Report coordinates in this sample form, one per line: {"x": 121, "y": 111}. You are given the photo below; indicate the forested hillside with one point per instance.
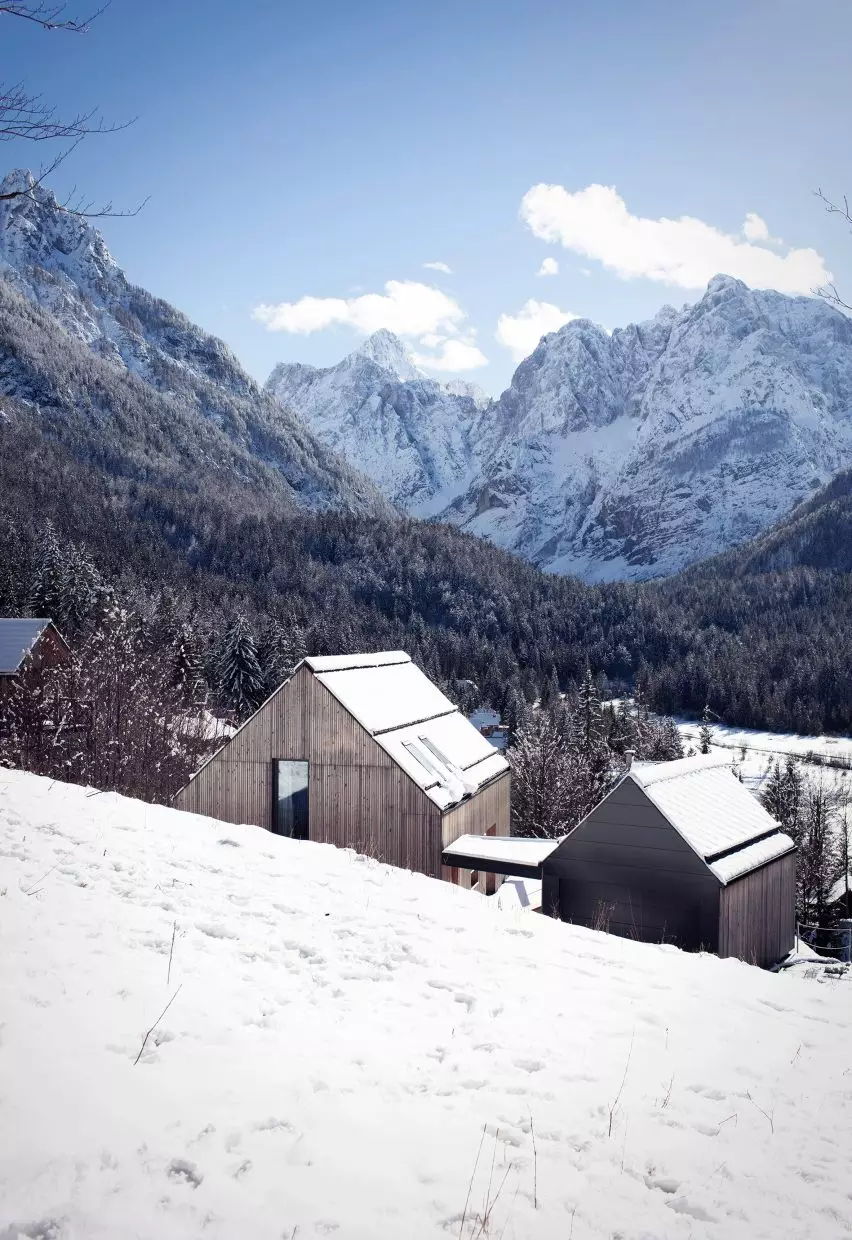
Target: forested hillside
{"x": 762, "y": 635}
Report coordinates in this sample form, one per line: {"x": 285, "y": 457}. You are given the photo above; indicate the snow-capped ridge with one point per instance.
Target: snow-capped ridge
{"x": 388, "y": 351}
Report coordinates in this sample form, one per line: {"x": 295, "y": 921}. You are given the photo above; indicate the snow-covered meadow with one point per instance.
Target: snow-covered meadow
{"x": 755, "y": 752}
{"x": 356, "y": 1051}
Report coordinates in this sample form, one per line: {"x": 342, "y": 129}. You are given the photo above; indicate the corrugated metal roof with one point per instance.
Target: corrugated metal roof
{"x": 717, "y": 816}
{"x": 413, "y": 721}
{"x": 18, "y": 635}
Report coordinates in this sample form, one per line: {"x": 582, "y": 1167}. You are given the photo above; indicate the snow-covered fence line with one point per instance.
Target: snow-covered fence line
{"x": 833, "y": 941}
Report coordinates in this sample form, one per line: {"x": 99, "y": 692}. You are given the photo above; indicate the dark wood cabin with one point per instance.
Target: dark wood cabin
{"x": 365, "y": 752}
{"x": 28, "y": 644}
{"x": 679, "y": 852}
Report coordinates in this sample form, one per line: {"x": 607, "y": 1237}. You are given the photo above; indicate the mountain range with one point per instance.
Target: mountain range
{"x": 622, "y": 455}
{"x": 121, "y": 377}
{"x": 144, "y": 442}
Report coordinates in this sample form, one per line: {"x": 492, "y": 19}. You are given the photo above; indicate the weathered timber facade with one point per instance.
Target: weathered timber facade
{"x": 359, "y": 795}
{"x": 757, "y": 913}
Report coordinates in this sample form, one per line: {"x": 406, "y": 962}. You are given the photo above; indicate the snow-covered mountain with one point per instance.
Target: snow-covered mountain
{"x": 623, "y": 455}
{"x": 414, "y": 436}
{"x": 636, "y": 453}
{"x": 155, "y": 358}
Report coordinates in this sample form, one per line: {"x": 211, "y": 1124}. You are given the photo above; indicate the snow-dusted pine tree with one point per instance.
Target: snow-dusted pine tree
{"x": 240, "y": 679}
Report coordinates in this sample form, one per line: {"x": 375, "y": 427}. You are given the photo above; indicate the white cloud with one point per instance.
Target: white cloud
{"x": 448, "y": 271}
{"x": 687, "y": 252}
{"x": 549, "y": 267}
{"x": 521, "y": 333}
{"x": 755, "y": 228}
{"x": 454, "y": 355}
{"x": 406, "y": 307}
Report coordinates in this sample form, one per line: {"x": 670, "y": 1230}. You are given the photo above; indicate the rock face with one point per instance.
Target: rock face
{"x": 415, "y": 437}
{"x": 221, "y": 418}
{"x": 632, "y": 455}
{"x": 627, "y": 455}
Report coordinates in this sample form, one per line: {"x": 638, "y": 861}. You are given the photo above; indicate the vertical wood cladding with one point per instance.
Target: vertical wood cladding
{"x": 757, "y": 913}
{"x": 357, "y": 796}
{"x": 476, "y": 816}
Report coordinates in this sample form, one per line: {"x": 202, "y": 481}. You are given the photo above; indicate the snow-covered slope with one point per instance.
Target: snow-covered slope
{"x": 61, "y": 265}
{"x": 636, "y": 453}
{"x": 339, "y": 1048}
{"x": 415, "y": 437}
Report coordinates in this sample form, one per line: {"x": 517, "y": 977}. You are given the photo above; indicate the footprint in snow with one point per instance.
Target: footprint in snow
{"x": 216, "y": 932}
{"x": 184, "y": 1172}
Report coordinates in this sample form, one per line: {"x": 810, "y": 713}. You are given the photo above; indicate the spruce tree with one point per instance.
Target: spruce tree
{"x": 705, "y": 733}
{"x": 240, "y": 679}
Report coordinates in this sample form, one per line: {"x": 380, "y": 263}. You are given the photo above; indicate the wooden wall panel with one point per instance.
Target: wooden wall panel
{"x": 490, "y": 807}
{"x": 358, "y": 798}
{"x": 757, "y": 913}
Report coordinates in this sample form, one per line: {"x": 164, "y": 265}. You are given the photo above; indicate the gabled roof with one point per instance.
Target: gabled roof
{"x": 716, "y": 815}
{"x": 412, "y": 720}
{"x": 18, "y": 635}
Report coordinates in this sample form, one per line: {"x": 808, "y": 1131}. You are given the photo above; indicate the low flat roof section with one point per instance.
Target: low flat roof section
{"x": 499, "y": 854}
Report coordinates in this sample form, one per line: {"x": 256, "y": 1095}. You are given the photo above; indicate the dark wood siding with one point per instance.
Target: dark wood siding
{"x": 757, "y": 913}
{"x": 627, "y": 870}
{"x": 358, "y": 798}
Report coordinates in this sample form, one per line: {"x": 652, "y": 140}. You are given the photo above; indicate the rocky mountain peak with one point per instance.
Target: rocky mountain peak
{"x": 390, "y": 353}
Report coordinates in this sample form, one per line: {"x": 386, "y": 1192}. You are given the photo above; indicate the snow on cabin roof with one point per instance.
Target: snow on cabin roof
{"x": 413, "y": 721}
{"x": 342, "y": 662}
{"x": 505, "y": 849}
{"x": 716, "y": 814}
{"x": 18, "y": 635}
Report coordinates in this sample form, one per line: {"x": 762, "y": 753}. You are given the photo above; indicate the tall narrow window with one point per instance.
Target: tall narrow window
{"x": 290, "y": 806}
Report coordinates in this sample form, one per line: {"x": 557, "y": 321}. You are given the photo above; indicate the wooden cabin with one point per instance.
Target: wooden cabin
{"x": 29, "y": 644}
{"x": 365, "y": 752}
{"x": 679, "y": 852}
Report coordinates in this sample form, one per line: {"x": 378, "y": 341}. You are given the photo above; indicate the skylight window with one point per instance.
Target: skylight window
{"x": 417, "y": 753}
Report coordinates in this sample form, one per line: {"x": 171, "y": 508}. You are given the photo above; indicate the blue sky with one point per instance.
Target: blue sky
{"x": 322, "y": 150}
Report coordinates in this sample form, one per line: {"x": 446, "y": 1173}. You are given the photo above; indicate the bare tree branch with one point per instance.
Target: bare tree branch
{"x": 829, "y": 292}
{"x": 24, "y": 116}
{"x": 73, "y": 204}
{"x": 50, "y": 16}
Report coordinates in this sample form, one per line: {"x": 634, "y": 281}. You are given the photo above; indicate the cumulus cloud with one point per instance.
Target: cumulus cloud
{"x": 406, "y": 307}
{"x": 453, "y": 355}
{"x": 448, "y": 271}
{"x": 755, "y": 228}
{"x": 520, "y": 333}
{"x": 549, "y": 267}
{"x": 687, "y": 252}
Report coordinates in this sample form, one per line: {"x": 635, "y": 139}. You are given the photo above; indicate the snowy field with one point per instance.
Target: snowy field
{"x": 354, "y": 1051}
{"x": 755, "y": 753}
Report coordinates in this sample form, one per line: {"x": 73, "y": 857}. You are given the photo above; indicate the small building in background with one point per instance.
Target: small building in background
{"x": 29, "y": 644}
{"x": 680, "y": 852}
{"x": 365, "y": 752}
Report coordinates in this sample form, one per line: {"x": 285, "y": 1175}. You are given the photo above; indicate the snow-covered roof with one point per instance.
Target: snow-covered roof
{"x": 413, "y": 721}
{"x": 717, "y": 816}
{"x": 340, "y": 662}
{"x": 18, "y": 635}
{"x": 502, "y": 849}
{"x": 837, "y": 891}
